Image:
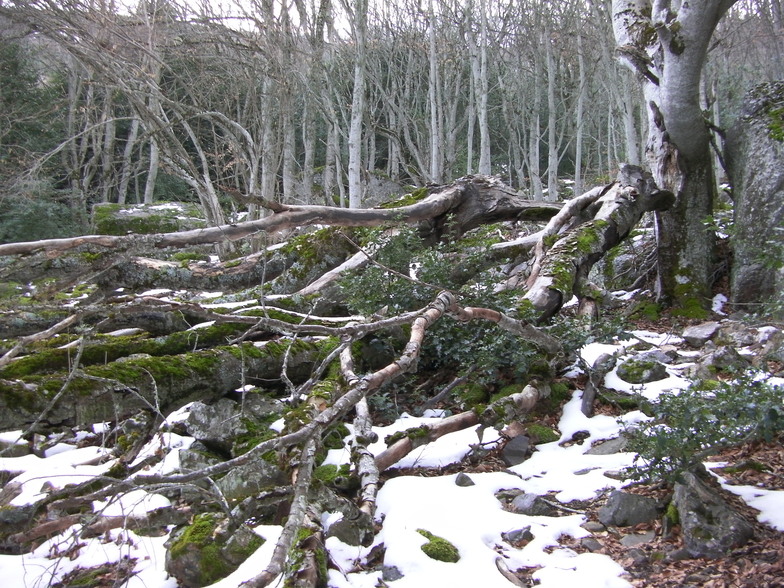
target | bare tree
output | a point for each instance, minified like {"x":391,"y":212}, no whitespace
{"x":666,"y":45}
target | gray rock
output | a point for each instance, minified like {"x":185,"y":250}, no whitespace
{"x":755,"y":160}
{"x":736,"y":334}
{"x":516,"y":450}
{"x":609,"y":447}
{"x":518,"y":537}
{"x":241,"y":543}
{"x":219,"y":425}
{"x":641,"y":371}
{"x":14,"y":519}
{"x":249,"y":479}
{"x":196,"y":457}
{"x":14,"y":449}
{"x":638,"y":556}
{"x":710,"y":527}
{"x":625,"y":510}
{"x":722,"y":359}
{"x":637,"y":538}
{"x":593,"y":527}
{"x":390,"y":573}
{"x":666,"y":357}
{"x":355,"y":530}
{"x":698,"y":335}
{"x":591,"y":544}
{"x":216,"y":424}
{"x":464,"y":480}
{"x":532,"y":505}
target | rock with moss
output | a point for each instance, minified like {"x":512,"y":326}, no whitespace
{"x":641,"y":371}
{"x":147,"y":219}
{"x":251,"y":479}
{"x":755,"y":149}
{"x":709,"y":525}
{"x":439,"y":548}
{"x":233,"y":427}
{"x":205,"y":551}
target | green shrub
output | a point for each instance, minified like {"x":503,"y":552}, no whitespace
{"x":701,"y":421}
{"x":39,"y":214}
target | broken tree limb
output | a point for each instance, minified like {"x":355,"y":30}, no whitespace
{"x":473,"y":201}
{"x":545,"y":342}
{"x":399,"y":449}
{"x":564,"y":269}
{"x":297,"y":513}
{"x":367,"y":472}
{"x":342,"y":405}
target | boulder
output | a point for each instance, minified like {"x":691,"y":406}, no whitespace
{"x":532,"y":505}
{"x":205,"y":551}
{"x":516,"y":450}
{"x":698,"y":335}
{"x":215,"y":424}
{"x":147,"y":219}
{"x":755,"y":163}
{"x":722,"y":359}
{"x":641,"y":371}
{"x":249,"y":479}
{"x":623,"y":509}
{"x":710,"y":527}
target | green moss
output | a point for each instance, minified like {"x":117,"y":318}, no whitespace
{"x":470,"y":394}
{"x":89,"y":257}
{"x":334,"y":439}
{"x":505,"y":391}
{"x":621,"y":400}
{"x":542,"y":434}
{"x":634,"y":369}
{"x":189,"y":256}
{"x":672,"y":514}
{"x":560,"y":391}
{"x":16,"y":397}
{"x":408,"y":199}
{"x":587,"y":237}
{"x":328,"y":473}
{"x":439,"y":548}
{"x":257,"y":432}
{"x":198,"y":534}
{"x":104,"y":349}
{"x":776,"y":124}
{"x":650,"y":311}
{"x":417,"y":435}
{"x":691,"y":308}
{"x":149,"y":220}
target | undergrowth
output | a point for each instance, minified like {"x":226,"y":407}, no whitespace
{"x":702,"y":420}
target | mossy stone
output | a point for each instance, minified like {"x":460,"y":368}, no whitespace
{"x":439,"y":548}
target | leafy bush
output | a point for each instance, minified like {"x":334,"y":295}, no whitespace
{"x":39,"y":214}
{"x":702,"y":420}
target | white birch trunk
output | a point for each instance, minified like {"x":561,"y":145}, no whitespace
{"x":357,"y":108}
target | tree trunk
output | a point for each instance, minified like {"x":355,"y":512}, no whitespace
{"x":359,"y":24}
{"x":670,"y":64}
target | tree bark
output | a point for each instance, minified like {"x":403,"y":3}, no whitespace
{"x":670,"y":65}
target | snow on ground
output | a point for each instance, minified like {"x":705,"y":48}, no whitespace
{"x":470,"y":517}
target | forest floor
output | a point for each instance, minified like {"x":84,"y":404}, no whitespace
{"x":420,"y":492}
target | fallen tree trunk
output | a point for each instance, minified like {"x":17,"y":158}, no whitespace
{"x":563,"y":269}
{"x":100,"y":393}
